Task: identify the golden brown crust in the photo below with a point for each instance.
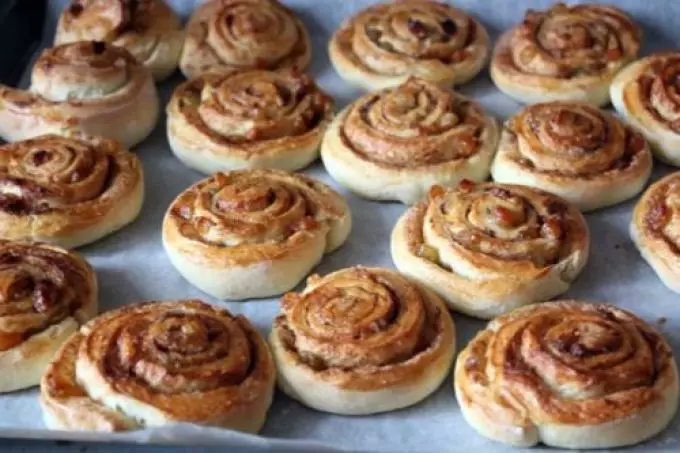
(564, 363)
(487, 248)
(185, 360)
(385, 43)
(574, 150)
(654, 89)
(364, 329)
(46, 292)
(646, 94)
(566, 49)
(89, 86)
(656, 228)
(58, 189)
(415, 125)
(397, 142)
(249, 119)
(229, 35)
(40, 286)
(148, 29)
(244, 217)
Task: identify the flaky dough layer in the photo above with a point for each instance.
(569, 374)
(362, 341)
(47, 293)
(158, 363)
(395, 143)
(490, 248)
(253, 233)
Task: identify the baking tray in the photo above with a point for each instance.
(131, 265)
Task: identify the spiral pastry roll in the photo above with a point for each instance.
(248, 234)
(249, 119)
(158, 363)
(489, 248)
(396, 143)
(385, 44)
(148, 29)
(566, 53)
(570, 374)
(67, 191)
(89, 86)
(647, 95)
(231, 35)
(45, 294)
(573, 150)
(361, 341)
(655, 229)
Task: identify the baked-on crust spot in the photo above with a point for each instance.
(565, 53)
(397, 142)
(157, 363)
(385, 44)
(488, 248)
(233, 35)
(149, 29)
(574, 150)
(570, 374)
(249, 119)
(67, 190)
(359, 332)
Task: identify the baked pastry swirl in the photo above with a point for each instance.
(148, 29)
(67, 191)
(489, 248)
(45, 294)
(230, 35)
(89, 86)
(647, 95)
(362, 341)
(565, 53)
(253, 233)
(573, 150)
(395, 143)
(158, 363)
(248, 119)
(385, 44)
(655, 229)
(569, 374)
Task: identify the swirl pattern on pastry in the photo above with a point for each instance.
(361, 341)
(489, 248)
(569, 374)
(89, 86)
(231, 35)
(565, 53)
(647, 95)
(573, 150)
(68, 191)
(148, 29)
(395, 143)
(655, 229)
(248, 119)
(385, 44)
(45, 294)
(158, 363)
(253, 233)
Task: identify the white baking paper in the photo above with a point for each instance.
(132, 266)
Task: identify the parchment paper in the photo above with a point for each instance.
(131, 266)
